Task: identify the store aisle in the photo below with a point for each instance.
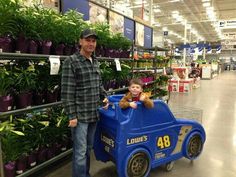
(217, 99)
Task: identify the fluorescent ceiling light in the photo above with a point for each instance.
(174, 1)
(205, 0)
(138, 6)
(156, 6)
(164, 29)
(140, 2)
(175, 15)
(156, 10)
(157, 24)
(179, 18)
(210, 9)
(206, 4)
(175, 12)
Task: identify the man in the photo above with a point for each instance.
(81, 90)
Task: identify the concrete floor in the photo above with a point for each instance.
(217, 99)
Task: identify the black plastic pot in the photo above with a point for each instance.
(21, 165)
(6, 103)
(6, 44)
(57, 148)
(42, 155)
(46, 47)
(38, 98)
(50, 153)
(33, 47)
(68, 50)
(59, 49)
(31, 162)
(52, 96)
(23, 100)
(22, 44)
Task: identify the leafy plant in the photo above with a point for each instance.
(6, 81)
(103, 32)
(9, 137)
(25, 79)
(69, 27)
(9, 17)
(107, 72)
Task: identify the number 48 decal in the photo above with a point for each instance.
(163, 142)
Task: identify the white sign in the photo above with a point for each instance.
(228, 42)
(54, 64)
(118, 67)
(230, 35)
(227, 47)
(227, 24)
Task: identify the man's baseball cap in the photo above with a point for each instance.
(87, 33)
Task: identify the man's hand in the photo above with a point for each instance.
(73, 123)
(133, 104)
(106, 103)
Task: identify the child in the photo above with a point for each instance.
(135, 94)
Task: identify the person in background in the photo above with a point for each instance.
(81, 92)
(135, 94)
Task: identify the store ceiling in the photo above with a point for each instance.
(196, 15)
(172, 14)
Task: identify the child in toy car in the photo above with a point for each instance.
(135, 94)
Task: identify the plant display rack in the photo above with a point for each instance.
(153, 68)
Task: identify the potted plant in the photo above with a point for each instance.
(103, 31)
(107, 74)
(9, 23)
(45, 23)
(125, 47)
(25, 80)
(30, 28)
(67, 31)
(8, 137)
(41, 72)
(6, 80)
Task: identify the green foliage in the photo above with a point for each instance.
(9, 17)
(103, 32)
(25, 79)
(162, 80)
(107, 72)
(69, 27)
(10, 137)
(6, 81)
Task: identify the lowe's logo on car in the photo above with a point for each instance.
(107, 140)
(137, 139)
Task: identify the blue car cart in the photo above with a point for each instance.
(137, 140)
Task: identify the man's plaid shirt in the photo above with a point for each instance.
(81, 88)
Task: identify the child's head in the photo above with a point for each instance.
(135, 86)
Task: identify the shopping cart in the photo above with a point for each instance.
(187, 112)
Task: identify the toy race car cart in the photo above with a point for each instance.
(137, 140)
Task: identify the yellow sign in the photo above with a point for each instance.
(137, 139)
(163, 142)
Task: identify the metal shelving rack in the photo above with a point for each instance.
(48, 162)
(156, 70)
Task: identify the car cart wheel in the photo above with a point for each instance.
(169, 166)
(138, 165)
(194, 146)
